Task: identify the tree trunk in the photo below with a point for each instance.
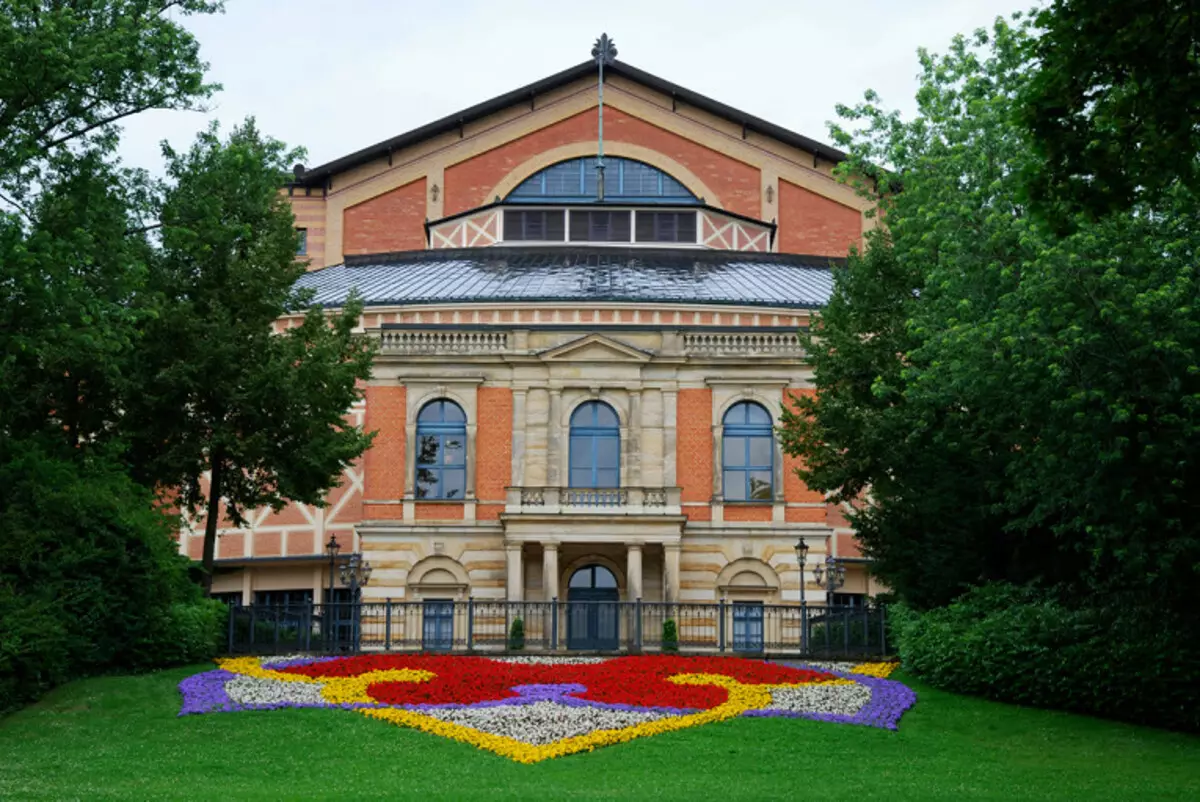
(212, 519)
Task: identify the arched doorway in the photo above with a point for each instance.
(592, 609)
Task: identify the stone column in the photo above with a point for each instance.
(537, 410)
(634, 474)
(516, 571)
(633, 553)
(550, 569)
(518, 442)
(671, 571)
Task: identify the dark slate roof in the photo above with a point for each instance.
(316, 176)
(513, 274)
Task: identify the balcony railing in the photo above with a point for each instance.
(742, 344)
(434, 342)
(473, 625)
(585, 500)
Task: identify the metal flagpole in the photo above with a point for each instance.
(604, 51)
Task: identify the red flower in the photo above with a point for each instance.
(634, 680)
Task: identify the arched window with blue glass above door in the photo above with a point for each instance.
(441, 463)
(748, 454)
(595, 446)
(592, 621)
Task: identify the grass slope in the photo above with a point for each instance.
(119, 738)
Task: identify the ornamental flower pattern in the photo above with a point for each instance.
(534, 708)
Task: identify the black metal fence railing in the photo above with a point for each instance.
(474, 625)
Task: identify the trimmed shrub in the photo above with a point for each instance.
(1017, 644)
(670, 636)
(516, 635)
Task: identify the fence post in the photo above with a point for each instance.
(308, 619)
(721, 624)
(554, 624)
(804, 628)
(637, 627)
(470, 623)
(232, 612)
(387, 624)
(883, 630)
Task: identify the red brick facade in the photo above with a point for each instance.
(394, 221)
(811, 224)
(694, 451)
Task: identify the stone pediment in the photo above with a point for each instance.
(594, 348)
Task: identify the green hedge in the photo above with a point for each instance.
(1019, 645)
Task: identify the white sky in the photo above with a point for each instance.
(334, 76)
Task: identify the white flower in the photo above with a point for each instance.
(541, 722)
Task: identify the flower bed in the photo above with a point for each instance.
(531, 709)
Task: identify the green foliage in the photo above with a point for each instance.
(262, 412)
(1022, 645)
(90, 579)
(516, 635)
(670, 636)
(1112, 104)
(999, 400)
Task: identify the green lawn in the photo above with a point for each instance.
(119, 738)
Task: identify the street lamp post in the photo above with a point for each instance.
(802, 562)
(830, 575)
(356, 573)
(331, 548)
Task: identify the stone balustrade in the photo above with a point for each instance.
(438, 342)
(590, 500)
(741, 344)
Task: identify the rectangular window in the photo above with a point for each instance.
(850, 599)
(607, 226)
(301, 241)
(534, 225)
(666, 227)
(283, 598)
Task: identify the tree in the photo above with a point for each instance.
(260, 412)
(1001, 399)
(1112, 104)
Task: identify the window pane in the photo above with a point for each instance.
(760, 451)
(735, 486)
(666, 226)
(589, 226)
(430, 413)
(607, 449)
(607, 478)
(760, 485)
(429, 449)
(455, 449)
(452, 413)
(427, 483)
(563, 180)
(581, 452)
(756, 414)
(605, 416)
(735, 452)
(581, 477)
(454, 483)
(604, 578)
(581, 578)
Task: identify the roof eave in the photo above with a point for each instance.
(319, 175)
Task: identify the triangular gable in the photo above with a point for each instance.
(594, 348)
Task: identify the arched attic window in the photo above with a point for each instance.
(625, 181)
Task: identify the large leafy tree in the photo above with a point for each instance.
(1000, 400)
(1112, 104)
(229, 408)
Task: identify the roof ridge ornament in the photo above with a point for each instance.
(604, 52)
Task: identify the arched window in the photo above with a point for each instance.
(593, 577)
(748, 447)
(595, 451)
(625, 180)
(441, 451)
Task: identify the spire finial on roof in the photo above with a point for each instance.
(605, 50)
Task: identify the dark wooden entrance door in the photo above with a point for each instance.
(592, 621)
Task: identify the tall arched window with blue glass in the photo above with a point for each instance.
(595, 448)
(441, 451)
(748, 453)
(627, 183)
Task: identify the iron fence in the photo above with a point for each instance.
(808, 630)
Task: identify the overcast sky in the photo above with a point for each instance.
(334, 76)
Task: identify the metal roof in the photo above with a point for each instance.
(317, 176)
(508, 274)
